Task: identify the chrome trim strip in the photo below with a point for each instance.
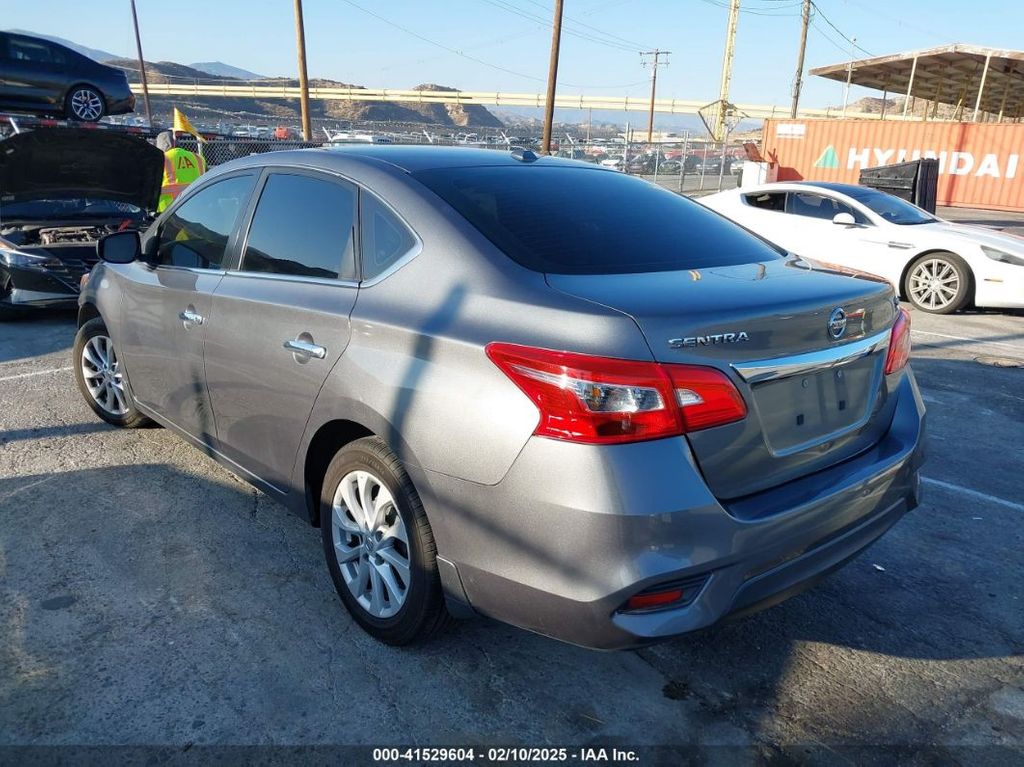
(810, 362)
(278, 277)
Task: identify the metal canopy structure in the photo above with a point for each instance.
(983, 81)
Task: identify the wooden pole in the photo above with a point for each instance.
(142, 66)
(549, 103)
(801, 51)
(300, 41)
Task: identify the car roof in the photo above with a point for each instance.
(414, 158)
(832, 186)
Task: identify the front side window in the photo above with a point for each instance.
(385, 239)
(196, 234)
(303, 226)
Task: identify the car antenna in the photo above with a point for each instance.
(524, 155)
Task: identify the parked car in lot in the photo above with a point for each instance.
(42, 77)
(61, 190)
(528, 388)
(937, 265)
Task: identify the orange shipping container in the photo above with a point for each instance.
(979, 164)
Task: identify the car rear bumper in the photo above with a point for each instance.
(121, 103)
(573, 531)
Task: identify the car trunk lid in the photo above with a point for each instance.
(815, 396)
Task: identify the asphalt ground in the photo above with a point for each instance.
(149, 597)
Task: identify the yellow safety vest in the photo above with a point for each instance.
(181, 168)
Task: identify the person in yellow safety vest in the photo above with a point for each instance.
(181, 168)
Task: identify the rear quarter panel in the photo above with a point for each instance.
(415, 371)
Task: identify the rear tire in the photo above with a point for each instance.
(939, 283)
(381, 553)
(84, 104)
(101, 378)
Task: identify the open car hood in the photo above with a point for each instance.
(71, 163)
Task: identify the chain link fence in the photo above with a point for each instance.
(689, 164)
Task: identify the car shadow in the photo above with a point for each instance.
(52, 331)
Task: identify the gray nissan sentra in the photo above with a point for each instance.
(526, 388)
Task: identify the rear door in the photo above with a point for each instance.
(166, 307)
(280, 319)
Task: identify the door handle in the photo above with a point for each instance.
(305, 348)
(191, 318)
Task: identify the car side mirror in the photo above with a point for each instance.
(119, 247)
(844, 219)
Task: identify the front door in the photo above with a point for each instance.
(810, 231)
(280, 321)
(167, 309)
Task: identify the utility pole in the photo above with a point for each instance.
(549, 104)
(142, 66)
(300, 41)
(849, 74)
(730, 49)
(656, 53)
(799, 80)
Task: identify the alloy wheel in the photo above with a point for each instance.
(934, 284)
(371, 544)
(86, 105)
(103, 377)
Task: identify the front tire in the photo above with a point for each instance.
(939, 283)
(379, 546)
(101, 378)
(85, 104)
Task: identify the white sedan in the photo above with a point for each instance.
(937, 265)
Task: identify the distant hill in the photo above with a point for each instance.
(221, 69)
(873, 105)
(93, 53)
(207, 109)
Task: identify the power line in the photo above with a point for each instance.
(611, 41)
(850, 40)
(760, 11)
(579, 23)
(465, 55)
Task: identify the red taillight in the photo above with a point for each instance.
(899, 344)
(602, 400)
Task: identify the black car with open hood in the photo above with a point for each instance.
(61, 190)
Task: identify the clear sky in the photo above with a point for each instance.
(503, 45)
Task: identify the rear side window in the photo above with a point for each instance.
(34, 51)
(566, 220)
(385, 239)
(303, 226)
(196, 234)
(767, 201)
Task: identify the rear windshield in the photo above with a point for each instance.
(565, 220)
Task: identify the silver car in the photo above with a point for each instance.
(526, 388)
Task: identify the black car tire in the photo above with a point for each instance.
(131, 418)
(423, 611)
(85, 104)
(940, 263)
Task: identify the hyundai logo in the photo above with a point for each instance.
(837, 323)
